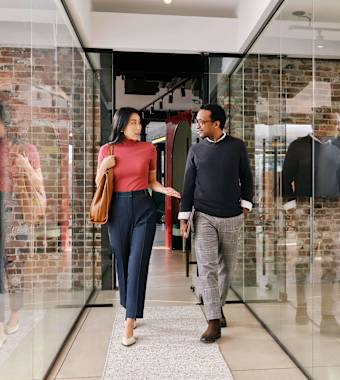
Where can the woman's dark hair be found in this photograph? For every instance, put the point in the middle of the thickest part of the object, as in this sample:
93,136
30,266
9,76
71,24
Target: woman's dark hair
217,113
120,121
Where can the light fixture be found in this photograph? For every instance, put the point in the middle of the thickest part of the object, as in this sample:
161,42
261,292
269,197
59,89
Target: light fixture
302,14
319,40
183,91
167,2
158,140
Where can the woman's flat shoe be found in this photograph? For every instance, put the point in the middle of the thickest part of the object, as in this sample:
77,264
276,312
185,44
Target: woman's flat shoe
12,329
3,340
128,341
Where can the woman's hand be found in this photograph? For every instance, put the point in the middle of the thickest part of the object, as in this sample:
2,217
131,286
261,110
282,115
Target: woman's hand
171,192
107,163
159,188
22,162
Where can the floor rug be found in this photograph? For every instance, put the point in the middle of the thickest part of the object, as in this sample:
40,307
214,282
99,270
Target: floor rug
167,347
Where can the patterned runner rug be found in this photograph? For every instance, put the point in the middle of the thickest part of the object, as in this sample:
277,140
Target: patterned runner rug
167,347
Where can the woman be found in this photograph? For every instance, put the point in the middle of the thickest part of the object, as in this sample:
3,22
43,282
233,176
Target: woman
132,219
17,158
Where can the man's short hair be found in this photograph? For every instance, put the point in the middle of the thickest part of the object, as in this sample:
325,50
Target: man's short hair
217,113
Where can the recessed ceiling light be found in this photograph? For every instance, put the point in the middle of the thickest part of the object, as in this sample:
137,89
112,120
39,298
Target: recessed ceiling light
167,2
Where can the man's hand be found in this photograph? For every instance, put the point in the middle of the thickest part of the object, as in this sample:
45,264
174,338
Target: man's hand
245,212
184,228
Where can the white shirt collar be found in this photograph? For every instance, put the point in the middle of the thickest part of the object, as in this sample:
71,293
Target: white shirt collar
318,140
220,139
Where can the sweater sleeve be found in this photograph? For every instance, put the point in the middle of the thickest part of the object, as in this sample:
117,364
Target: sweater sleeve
103,151
289,171
189,183
246,176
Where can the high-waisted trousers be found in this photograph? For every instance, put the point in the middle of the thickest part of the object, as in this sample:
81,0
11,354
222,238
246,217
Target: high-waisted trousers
132,226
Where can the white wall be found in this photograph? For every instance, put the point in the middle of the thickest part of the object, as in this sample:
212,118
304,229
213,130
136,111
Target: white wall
251,15
137,32
169,33
139,101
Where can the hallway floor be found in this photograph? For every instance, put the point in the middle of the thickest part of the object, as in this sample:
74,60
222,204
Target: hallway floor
248,349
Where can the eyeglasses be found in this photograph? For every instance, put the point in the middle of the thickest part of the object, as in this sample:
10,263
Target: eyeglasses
202,122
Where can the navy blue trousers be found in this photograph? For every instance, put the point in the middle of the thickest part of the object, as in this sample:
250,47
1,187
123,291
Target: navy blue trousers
132,227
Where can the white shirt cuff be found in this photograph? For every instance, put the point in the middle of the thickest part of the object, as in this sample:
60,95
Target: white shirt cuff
246,204
289,205
184,215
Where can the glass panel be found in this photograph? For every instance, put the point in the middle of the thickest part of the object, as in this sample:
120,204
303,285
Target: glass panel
219,80
277,104
236,107
18,156
46,252
45,264
78,188
89,175
325,266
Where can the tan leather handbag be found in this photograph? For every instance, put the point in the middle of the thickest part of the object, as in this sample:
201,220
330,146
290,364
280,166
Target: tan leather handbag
34,203
101,202
32,197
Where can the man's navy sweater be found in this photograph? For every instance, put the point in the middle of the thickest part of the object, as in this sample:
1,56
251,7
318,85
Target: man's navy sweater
217,177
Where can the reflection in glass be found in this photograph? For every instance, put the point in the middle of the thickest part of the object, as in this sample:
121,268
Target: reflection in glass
46,147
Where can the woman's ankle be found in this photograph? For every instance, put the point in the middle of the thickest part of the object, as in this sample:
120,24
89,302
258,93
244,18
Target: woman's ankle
129,325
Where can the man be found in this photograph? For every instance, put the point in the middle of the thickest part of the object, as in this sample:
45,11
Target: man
218,183
311,190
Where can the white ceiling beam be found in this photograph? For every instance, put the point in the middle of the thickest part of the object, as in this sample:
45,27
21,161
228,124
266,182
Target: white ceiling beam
81,11
169,33
252,14
126,31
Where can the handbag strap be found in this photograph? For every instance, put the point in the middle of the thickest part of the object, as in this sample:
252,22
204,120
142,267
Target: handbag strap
110,154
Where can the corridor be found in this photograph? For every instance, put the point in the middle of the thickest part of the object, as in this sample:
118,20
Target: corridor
247,348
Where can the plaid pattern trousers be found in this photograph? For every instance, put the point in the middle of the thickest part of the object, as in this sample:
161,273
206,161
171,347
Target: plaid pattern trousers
215,242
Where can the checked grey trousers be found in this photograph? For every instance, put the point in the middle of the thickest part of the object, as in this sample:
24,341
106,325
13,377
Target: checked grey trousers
215,242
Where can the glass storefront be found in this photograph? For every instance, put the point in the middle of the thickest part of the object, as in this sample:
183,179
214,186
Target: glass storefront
47,114
285,104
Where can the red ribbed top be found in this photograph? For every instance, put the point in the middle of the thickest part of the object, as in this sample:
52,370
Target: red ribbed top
134,160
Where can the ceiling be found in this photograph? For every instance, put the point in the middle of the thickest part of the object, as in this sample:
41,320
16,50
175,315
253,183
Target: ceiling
201,8
318,10
316,33
26,4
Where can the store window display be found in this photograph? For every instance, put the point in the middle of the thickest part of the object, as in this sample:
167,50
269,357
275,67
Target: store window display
311,189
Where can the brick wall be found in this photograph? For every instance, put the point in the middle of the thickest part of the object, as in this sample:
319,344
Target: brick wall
270,91
49,95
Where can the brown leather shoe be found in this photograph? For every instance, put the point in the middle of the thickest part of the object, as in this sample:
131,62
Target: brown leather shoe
223,321
213,332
